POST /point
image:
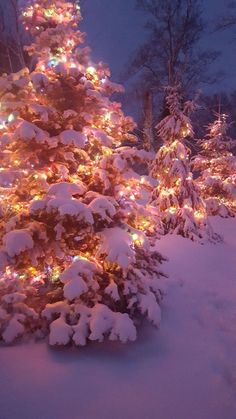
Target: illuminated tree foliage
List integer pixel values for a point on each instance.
(75, 258)
(217, 167)
(176, 196)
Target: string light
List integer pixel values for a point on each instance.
(91, 70)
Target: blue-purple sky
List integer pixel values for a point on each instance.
(114, 29)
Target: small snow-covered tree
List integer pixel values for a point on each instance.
(217, 168)
(177, 196)
(74, 256)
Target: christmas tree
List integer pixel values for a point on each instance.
(217, 168)
(75, 258)
(176, 196)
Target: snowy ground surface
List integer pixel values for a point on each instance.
(186, 370)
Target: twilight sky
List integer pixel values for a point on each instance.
(114, 29)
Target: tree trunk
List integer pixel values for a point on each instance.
(148, 136)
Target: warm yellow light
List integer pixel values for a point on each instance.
(17, 207)
(137, 239)
(186, 206)
(91, 70)
(107, 116)
(107, 151)
(198, 214)
(32, 270)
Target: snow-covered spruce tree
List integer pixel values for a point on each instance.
(216, 166)
(176, 196)
(74, 256)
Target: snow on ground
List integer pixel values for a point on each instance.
(186, 370)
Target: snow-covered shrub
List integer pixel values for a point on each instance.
(216, 168)
(177, 196)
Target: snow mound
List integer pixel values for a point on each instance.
(100, 136)
(28, 131)
(72, 137)
(66, 189)
(148, 304)
(17, 241)
(75, 288)
(38, 205)
(123, 328)
(15, 297)
(14, 329)
(60, 307)
(116, 245)
(95, 324)
(60, 332)
(71, 207)
(39, 80)
(112, 290)
(103, 207)
(104, 322)
(78, 277)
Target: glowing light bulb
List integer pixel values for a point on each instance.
(135, 236)
(137, 239)
(91, 70)
(11, 117)
(198, 214)
(107, 116)
(49, 12)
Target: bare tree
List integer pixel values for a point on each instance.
(17, 37)
(228, 19)
(171, 54)
(11, 51)
(148, 136)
